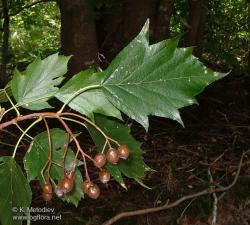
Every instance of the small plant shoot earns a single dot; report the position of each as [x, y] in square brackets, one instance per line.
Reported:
[142, 80]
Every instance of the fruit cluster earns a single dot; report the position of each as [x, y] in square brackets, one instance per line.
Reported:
[65, 186]
[88, 187]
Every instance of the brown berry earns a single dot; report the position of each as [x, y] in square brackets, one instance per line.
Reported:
[112, 156]
[123, 151]
[104, 176]
[58, 191]
[100, 160]
[85, 186]
[47, 197]
[67, 184]
[94, 191]
[47, 189]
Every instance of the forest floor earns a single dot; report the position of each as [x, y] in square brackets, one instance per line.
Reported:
[216, 133]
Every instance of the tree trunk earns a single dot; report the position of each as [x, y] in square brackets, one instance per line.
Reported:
[162, 21]
[78, 34]
[198, 12]
[5, 43]
[110, 31]
[136, 14]
[123, 23]
[248, 24]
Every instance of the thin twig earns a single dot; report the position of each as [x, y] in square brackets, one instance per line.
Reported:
[180, 200]
[14, 135]
[10, 133]
[65, 153]
[58, 116]
[85, 167]
[92, 124]
[7, 144]
[185, 209]
[31, 116]
[215, 203]
[48, 163]
[104, 147]
[79, 149]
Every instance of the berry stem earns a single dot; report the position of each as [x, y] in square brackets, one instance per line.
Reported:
[75, 121]
[104, 146]
[94, 125]
[85, 167]
[79, 149]
[65, 153]
[48, 163]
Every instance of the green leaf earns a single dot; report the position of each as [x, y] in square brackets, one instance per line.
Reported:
[142, 184]
[155, 79]
[134, 167]
[37, 84]
[90, 101]
[37, 156]
[15, 191]
[116, 174]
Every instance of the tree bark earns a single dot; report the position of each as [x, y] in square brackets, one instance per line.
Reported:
[136, 14]
[162, 21]
[5, 43]
[198, 12]
[248, 24]
[123, 23]
[119, 23]
[110, 31]
[78, 34]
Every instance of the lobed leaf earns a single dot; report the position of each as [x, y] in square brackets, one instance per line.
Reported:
[38, 83]
[15, 191]
[155, 79]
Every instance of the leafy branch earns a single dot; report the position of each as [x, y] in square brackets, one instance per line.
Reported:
[61, 117]
[142, 80]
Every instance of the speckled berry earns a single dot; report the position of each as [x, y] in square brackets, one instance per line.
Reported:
[94, 191]
[104, 176]
[67, 184]
[112, 156]
[85, 186]
[47, 189]
[123, 151]
[100, 160]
